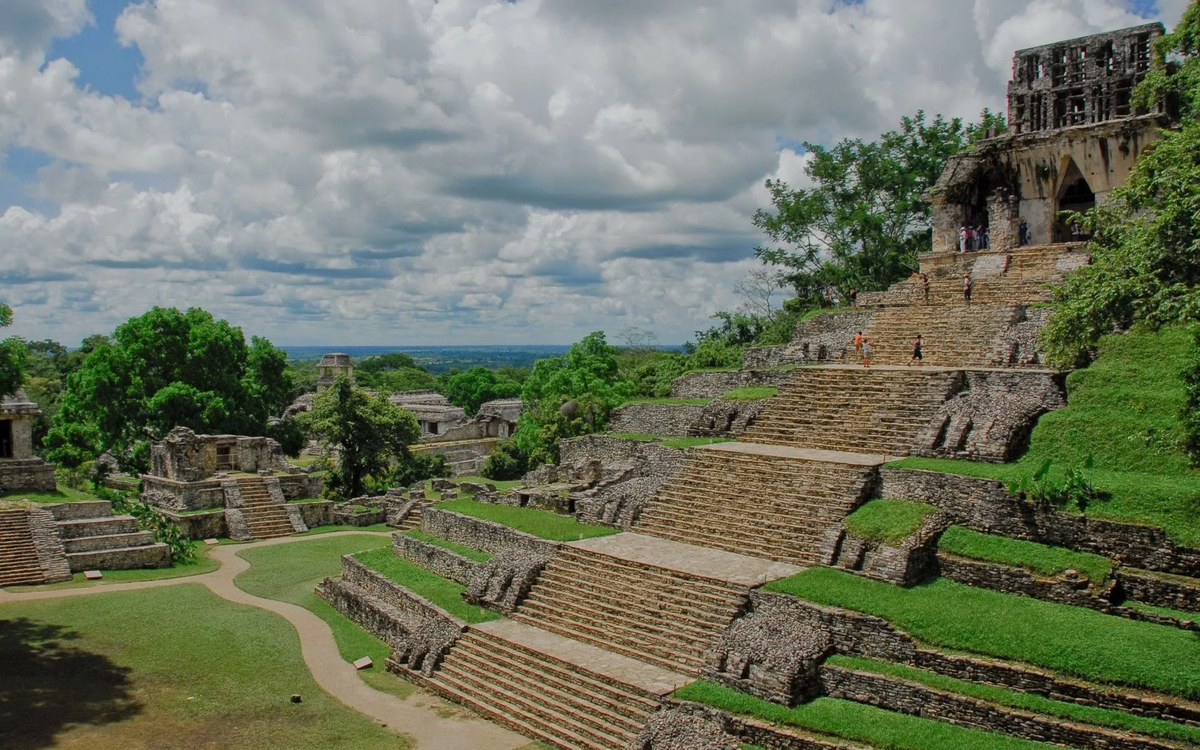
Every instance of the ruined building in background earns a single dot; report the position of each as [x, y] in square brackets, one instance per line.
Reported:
[1074, 136]
[331, 366]
[20, 469]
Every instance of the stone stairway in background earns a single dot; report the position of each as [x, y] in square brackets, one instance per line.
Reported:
[854, 409]
[561, 691]
[655, 600]
[263, 516]
[955, 335]
[766, 501]
[18, 557]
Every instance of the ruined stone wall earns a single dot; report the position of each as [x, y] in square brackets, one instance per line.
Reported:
[476, 533]
[715, 384]
[828, 337]
[52, 556]
[465, 459]
[439, 560]
[728, 418]
[28, 475]
[668, 420]
[986, 505]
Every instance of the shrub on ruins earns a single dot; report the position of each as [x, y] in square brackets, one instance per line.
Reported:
[1046, 488]
[569, 396]
[1146, 238]
[365, 430]
[160, 370]
[506, 463]
[289, 434]
[865, 218]
[472, 388]
[411, 468]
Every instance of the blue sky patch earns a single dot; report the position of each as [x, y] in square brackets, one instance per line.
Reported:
[105, 66]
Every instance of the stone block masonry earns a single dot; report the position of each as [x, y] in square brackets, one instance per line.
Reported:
[445, 563]
[27, 475]
[668, 420]
[713, 384]
[486, 536]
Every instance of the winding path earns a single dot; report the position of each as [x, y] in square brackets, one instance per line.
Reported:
[421, 717]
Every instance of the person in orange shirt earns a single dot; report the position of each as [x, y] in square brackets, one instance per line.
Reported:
[858, 342]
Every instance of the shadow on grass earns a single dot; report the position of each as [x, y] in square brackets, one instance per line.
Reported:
[48, 685]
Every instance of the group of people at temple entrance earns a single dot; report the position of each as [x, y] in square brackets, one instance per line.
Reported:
[862, 349]
[980, 237]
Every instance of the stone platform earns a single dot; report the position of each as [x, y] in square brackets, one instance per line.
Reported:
[647, 677]
[801, 454]
[701, 562]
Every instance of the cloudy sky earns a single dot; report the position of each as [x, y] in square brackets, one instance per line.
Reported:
[451, 172]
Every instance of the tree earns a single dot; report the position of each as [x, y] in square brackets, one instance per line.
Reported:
[163, 369]
[865, 219]
[1146, 238]
[569, 396]
[12, 357]
[506, 463]
[367, 431]
[393, 372]
[474, 387]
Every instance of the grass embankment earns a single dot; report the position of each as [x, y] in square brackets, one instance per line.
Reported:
[291, 572]
[1025, 701]
[63, 495]
[750, 394]
[855, 721]
[1072, 640]
[888, 521]
[1123, 412]
[173, 667]
[540, 523]
[441, 591]
[468, 552]
[1039, 558]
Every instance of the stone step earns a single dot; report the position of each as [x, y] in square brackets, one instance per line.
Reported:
[609, 584]
[154, 555]
[108, 541]
[87, 527]
[682, 622]
[638, 647]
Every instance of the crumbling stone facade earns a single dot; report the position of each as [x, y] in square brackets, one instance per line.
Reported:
[20, 469]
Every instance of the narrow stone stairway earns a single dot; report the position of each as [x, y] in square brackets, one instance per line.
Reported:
[94, 538]
[759, 500]
[18, 557]
[955, 335]
[265, 517]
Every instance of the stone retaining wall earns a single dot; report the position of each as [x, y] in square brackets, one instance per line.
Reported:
[27, 475]
[670, 420]
[915, 699]
[445, 563]
[986, 505]
[651, 459]
[746, 729]
[1161, 592]
[728, 418]
[716, 384]
[486, 536]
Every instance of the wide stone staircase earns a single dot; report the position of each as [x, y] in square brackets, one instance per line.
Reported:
[655, 614]
[265, 516]
[94, 538]
[18, 557]
[846, 408]
[544, 686]
[955, 335]
[759, 500]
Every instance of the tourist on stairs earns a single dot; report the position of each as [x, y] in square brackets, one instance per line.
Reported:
[925, 285]
[916, 354]
[858, 344]
[967, 288]
[866, 352]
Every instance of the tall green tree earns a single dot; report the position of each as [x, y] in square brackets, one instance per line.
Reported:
[367, 432]
[865, 218]
[569, 396]
[12, 356]
[1146, 238]
[393, 372]
[160, 370]
[472, 388]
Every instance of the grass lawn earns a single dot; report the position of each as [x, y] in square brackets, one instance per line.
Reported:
[503, 487]
[1039, 558]
[888, 521]
[441, 591]
[671, 401]
[855, 721]
[63, 495]
[201, 563]
[468, 552]
[1025, 701]
[1073, 640]
[694, 442]
[290, 573]
[317, 531]
[1123, 412]
[639, 437]
[750, 394]
[171, 668]
[541, 523]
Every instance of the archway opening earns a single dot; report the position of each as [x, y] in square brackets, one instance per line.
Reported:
[1075, 195]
